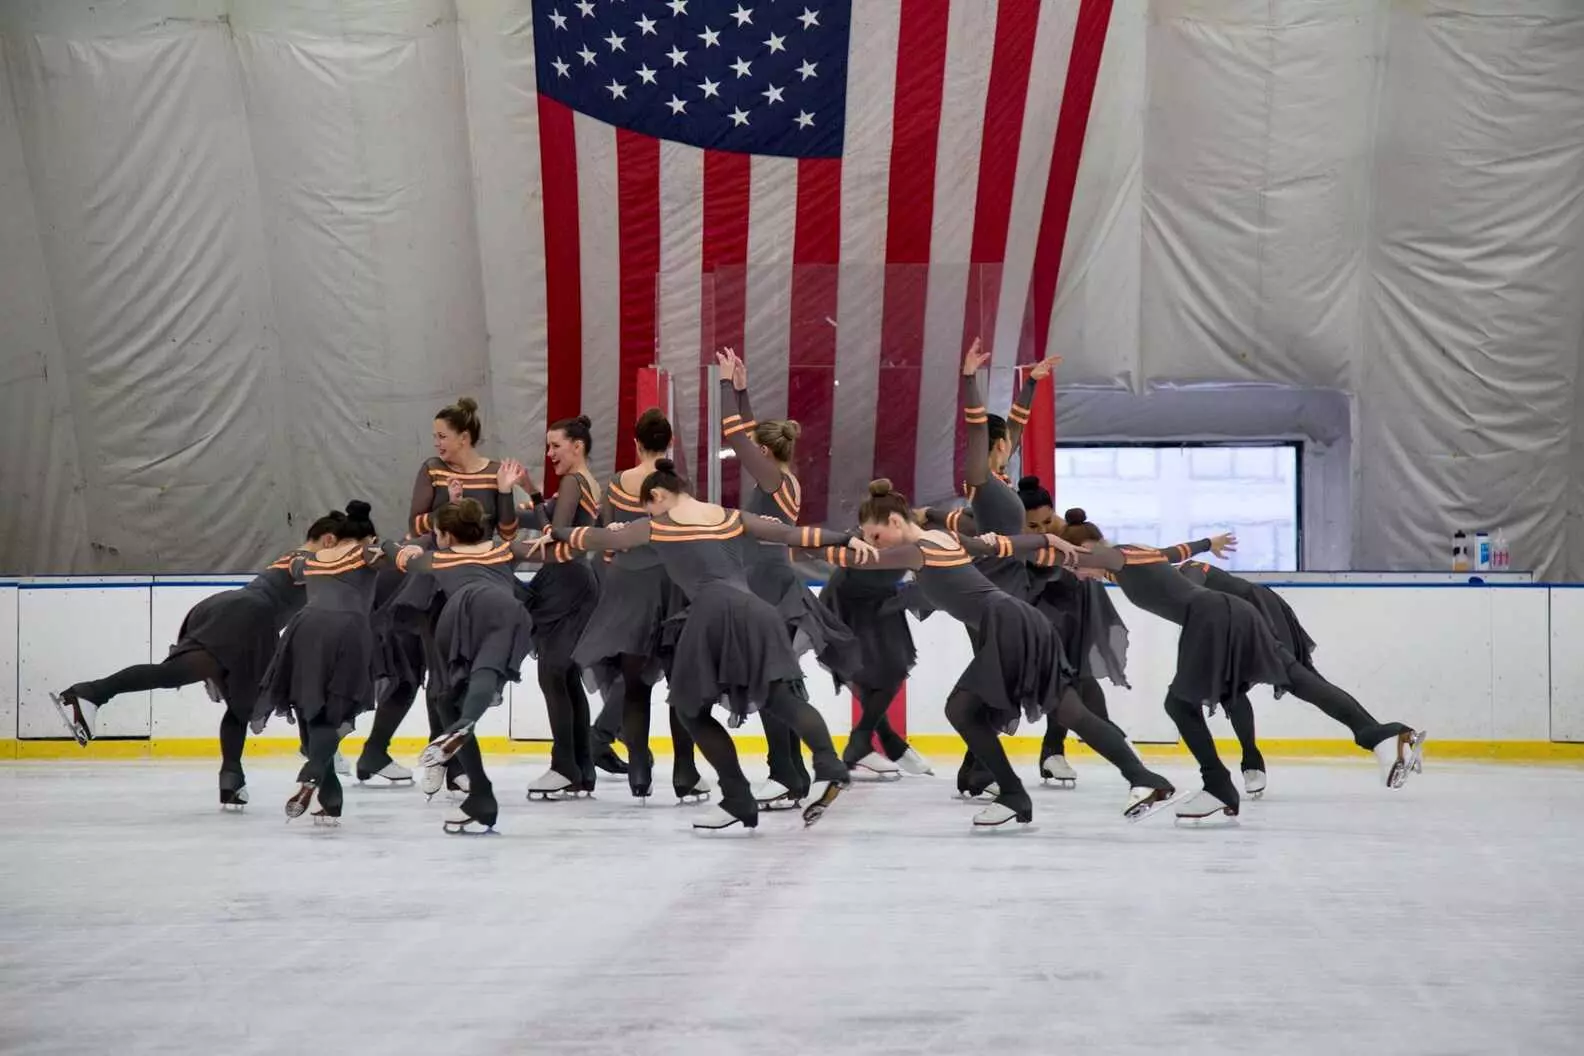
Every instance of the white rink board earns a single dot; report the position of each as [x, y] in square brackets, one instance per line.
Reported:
[1468, 662]
[8, 659]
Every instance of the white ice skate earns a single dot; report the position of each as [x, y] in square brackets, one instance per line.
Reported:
[460, 786]
[718, 821]
[306, 801]
[875, 767]
[440, 750]
[773, 795]
[1400, 756]
[915, 764]
[392, 773]
[234, 799]
[998, 817]
[699, 793]
[989, 792]
[342, 767]
[1143, 801]
[460, 823]
[1055, 770]
[1254, 783]
[1202, 807]
[79, 715]
[431, 779]
[550, 785]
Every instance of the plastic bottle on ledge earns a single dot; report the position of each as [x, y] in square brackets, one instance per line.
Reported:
[1460, 553]
[1482, 552]
[1501, 560]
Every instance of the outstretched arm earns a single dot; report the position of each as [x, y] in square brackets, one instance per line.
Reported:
[905, 556]
[1049, 551]
[1023, 402]
[629, 536]
[770, 530]
[957, 520]
[737, 424]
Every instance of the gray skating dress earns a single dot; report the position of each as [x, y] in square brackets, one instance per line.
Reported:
[1225, 645]
[323, 667]
[995, 505]
[1278, 614]
[732, 644]
[482, 625]
[778, 495]
[562, 595]
[636, 601]
[1018, 667]
[240, 629]
[873, 604]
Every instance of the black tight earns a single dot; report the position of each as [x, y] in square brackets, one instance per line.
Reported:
[636, 695]
[1240, 712]
[785, 755]
[873, 703]
[467, 704]
[561, 682]
[1094, 699]
[1195, 732]
[320, 741]
[975, 724]
[183, 669]
[1306, 684]
[233, 738]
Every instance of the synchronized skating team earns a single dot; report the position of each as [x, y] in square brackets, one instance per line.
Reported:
[642, 580]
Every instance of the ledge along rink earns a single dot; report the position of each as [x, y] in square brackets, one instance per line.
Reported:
[1336, 915]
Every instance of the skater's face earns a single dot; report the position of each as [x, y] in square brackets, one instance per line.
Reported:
[324, 542]
[564, 453]
[1000, 451]
[444, 540]
[890, 532]
[449, 444]
[660, 501]
[1042, 520]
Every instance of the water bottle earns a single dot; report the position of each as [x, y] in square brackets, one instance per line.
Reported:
[1460, 553]
[1482, 552]
[1501, 560]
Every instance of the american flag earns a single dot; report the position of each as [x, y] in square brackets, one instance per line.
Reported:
[843, 190]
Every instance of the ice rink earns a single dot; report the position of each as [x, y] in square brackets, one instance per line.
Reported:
[1337, 917]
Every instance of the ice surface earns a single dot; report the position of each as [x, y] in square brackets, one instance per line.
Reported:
[1337, 918]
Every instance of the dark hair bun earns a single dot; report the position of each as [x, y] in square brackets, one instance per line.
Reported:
[467, 405]
[878, 488]
[665, 465]
[358, 510]
[585, 421]
[1030, 484]
[1076, 516]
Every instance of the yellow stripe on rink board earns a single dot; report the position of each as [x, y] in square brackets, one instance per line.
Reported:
[943, 749]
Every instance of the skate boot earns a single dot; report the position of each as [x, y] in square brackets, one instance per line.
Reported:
[1005, 817]
[233, 792]
[1204, 806]
[457, 784]
[460, 823]
[875, 767]
[915, 764]
[1399, 756]
[773, 795]
[1254, 783]
[983, 795]
[1144, 801]
[718, 821]
[698, 792]
[1055, 770]
[79, 715]
[605, 756]
[307, 795]
[816, 810]
[439, 751]
[551, 785]
[392, 773]
[431, 779]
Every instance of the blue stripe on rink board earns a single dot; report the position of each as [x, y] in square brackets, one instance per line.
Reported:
[134, 586]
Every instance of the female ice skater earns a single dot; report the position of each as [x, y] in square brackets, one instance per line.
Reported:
[1018, 669]
[322, 670]
[406, 644]
[766, 450]
[482, 635]
[562, 598]
[1224, 647]
[733, 647]
[623, 647]
[226, 642]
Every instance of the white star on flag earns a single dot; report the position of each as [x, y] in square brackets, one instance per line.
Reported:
[807, 69]
[710, 37]
[585, 7]
[677, 105]
[741, 66]
[587, 56]
[618, 91]
[743, 16]
[773, 93]
[739, 117]
[804, 119]
[711, 89]
[561, 68]
[559, 19]
[677, 56]
[776, 43]
[646, 74]
[646, 25]
[809, 18]
[678, 7]
[615, 42]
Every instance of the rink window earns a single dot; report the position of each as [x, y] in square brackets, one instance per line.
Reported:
[1159, 494]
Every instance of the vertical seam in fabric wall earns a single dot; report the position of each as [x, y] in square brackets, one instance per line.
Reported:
[563, 266]
[811, 367]
[910, 205]
[728, 180]
[638, 208]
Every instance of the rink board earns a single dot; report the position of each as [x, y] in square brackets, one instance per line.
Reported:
[1492, 671]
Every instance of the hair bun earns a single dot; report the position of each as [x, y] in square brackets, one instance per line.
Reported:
[358, 510]
[467, 405]
[1076, 516]
[791, 429]
[585, 421]
[1029, 483]
[665, 465]
[881, 487]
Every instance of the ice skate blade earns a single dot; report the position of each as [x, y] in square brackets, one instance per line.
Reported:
[1059, 782]
[469, 828]
[870, 777]
[816, 810]
[1146, 807]
[692, 799]
[79, 733]
[326, 821]
[1224, 818]
[1415, 762]
[233, 808]
[376, 781]
[735, 831]
[781, 803]
[1010, 827]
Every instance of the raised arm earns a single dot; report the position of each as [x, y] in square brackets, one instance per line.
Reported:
[976, 415]
[737, 424]
[770, 530]
[506, 499]
[629, 536]
[1023, 402]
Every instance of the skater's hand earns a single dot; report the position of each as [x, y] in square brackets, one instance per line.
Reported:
[537, 544]
[865, 552]
[1043, 368]
[990, 539]
[1223, 544]
[406, 554]
[974, 358]
[510, 472]
[454, 490]
[1065, 547]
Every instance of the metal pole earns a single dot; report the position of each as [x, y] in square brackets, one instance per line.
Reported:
[712, 431]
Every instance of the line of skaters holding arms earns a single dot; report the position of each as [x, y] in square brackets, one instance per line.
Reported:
[640, 580]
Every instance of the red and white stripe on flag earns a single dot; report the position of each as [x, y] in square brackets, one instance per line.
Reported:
[849, 284]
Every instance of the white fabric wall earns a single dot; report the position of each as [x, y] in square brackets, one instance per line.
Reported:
[248, 246]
